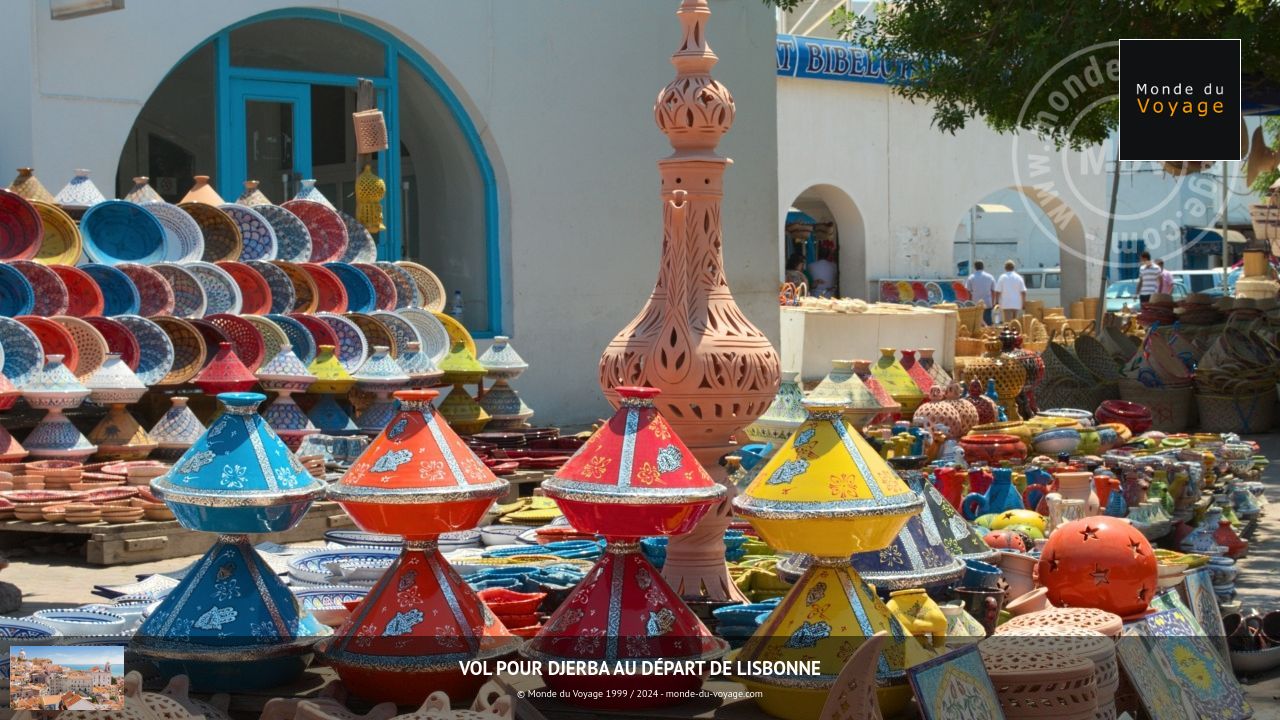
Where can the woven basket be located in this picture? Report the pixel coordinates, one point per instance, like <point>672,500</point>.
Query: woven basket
<point>1250,413</point>
<point>370,131</point>
<point>970,316</point>
<point>1172,409</point>
<point>1094,356</point>
<point>1060,364</point>
<point>1070,393</point>
<point>966,344</point>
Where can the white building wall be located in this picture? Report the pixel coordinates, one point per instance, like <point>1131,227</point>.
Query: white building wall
<point>562,92</point>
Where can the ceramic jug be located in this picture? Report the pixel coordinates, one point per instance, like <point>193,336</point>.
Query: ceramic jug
<point>919,614</point>
<point>999,497</point>
<point>1116,506</point>
<point>962,628</point>
<point>950,483</point>
<point>1019,572</point>
<point>983,605</point>
<point>1053,508</point>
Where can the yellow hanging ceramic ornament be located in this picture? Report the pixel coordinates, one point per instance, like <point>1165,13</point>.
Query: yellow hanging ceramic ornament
<point>369,192</point>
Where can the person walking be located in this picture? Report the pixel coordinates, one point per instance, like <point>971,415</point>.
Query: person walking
<point>1148,278</point>
<point>1011,290</point>
<point>1166,279</point>
<point>980,285</point>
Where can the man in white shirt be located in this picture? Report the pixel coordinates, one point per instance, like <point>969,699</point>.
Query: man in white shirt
<point>823,273</point>
<point>1148,278</point>
<point>1011,290</point>
<point>980,284</point>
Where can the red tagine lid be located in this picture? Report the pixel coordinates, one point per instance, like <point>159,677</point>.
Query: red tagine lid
<point>225,373</point>
<point>634,458</point>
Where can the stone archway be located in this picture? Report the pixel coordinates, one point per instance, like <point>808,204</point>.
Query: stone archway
<point>837,216</point>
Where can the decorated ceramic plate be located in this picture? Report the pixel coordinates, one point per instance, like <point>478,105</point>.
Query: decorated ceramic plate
<point>305,292</point>
<point>283,297</point>
<point>221,234</point>
<point>361,296</point>
<point>325,602</point>
<point>21,228</point>
<point>293,240</point>
<point>189,349</point>
<point>375,332</point>
<point>184,242</point>
<point>429,286</point>
<point>361,247</point>
<point>257,236</point>
<point>49,290</point>
<point>457,331</point>
<point>407,292</point>
<point>300,339</point>
<point>212,334</point>
<point>331,294</point>
<point>92,346</point>
<point>245,339</point>
<point>188,294</point>
<point>155,294</point>
<point>155,349</point>
<point>55,340</point>
<point>23,354</point>
<point>119,340</point>
<point>16,295</point>
<point>328,232</point>
<point>255,293</point>
<point>61,244</point>
<point>84,298</point>
<point>273,338</point>
<point>320,331</point>
<point>352,347</point>
<point>431,332</point>
<point>222,294</point>
<point>384,288</point>
<point>355,566</point>
<point>402,331</point>
<point>117,231</point>
<point>119,296</point>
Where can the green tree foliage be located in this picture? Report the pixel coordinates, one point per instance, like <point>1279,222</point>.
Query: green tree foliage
<point>984,58</point>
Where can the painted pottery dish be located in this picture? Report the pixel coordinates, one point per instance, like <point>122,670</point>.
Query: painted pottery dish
<point>90,343</point>
<point>184,242</point>
<point>245,339</point>
<point>255,293</point>
<point>375,333</point>
<point>21,227</point>
<point>432,333</point>
<point>77,622</point>
<point>221,292</point>
<point>47,286</point>
<point>189,349</point>
<point>119,340</point>
<point>354,566</point>
<point>119,296</point>
<point>361,296</point>
<point>361,247</point>
<point>155,349</point>
<point>384,288</point>
<point>213,337</point>
<point>16,295</point>
<point>300,339</point>
<point>402,331</point>
<point>331,294</point>
<point>457,332</point>
<point>118,231</point>
<point>306,294</point>
<point>293,240</point>
<point>257,236</point>
<point>61,244</point>
<point>328,231</point>
<point>320,331</point>
<point>283,297</point>
<point>23,355</point>
<point>84,297</point>
<point>328,602</point>
<point>22,629</point>
<point>407,292</point>
<point>352,346</point>
<point>188,294</point>
<point>155,294</point>
<point>221,234</point>
<point>54,339</point>
<point>429,286</point>
<point>79,193</point>
<point>273,338</point>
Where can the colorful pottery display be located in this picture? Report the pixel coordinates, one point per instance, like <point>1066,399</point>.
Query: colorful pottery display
<point>55,389</point>
<point>459,408</point>
<point>894,378</point>
<point>285,374</point>
<point>506,409</point>
<point>225,373</point>
<point>184,241</point>
<point>175,431</point>
<point>118,435</point>
<point>380,375</point>
<point>841,386</point>
<point>332,380</point>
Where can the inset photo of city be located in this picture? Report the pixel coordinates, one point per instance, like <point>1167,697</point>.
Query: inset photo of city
<point>49,680</point>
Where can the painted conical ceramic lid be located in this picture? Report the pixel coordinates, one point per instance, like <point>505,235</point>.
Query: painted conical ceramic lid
<point>461,366</point>
<point>55,437</point>
<point>79,192</point>
<point>418,364</point>
<point>229,602</point>
<point>919,374</point>
<point>501,360</point>
<point>331,376</point>
<point>381,369</point>
<point>8,393</point>
<point>202,192</point>
<point>178,427</point>
<point>787,408</point>
<point>29,186</point>
<point>634,458</point>
<point>142,192</point>
<point>118,430</point>
<point>462,412</point>
<point>502,402</point>
<point>54,380</point>
<point>239,461</point>
<point>309,191</point>
<point>225,373</point>
<point>330,417</point>
<point>896,381</point>
<point>287,419</point>
<point>891,407</point>
<point>842,387</point>
<point>419,616</point>
<point>940,376</point>
<point>827,491</point>
<point>285,367</point>
<point>252,195</point>
<point>114,382</point>
<point>656,623</point>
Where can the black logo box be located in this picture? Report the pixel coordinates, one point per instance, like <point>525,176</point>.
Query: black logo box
<point>1186,68</point>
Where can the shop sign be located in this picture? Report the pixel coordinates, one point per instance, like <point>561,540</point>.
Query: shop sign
<point>806,57</point>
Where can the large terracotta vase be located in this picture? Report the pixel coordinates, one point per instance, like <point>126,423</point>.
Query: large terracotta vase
<point>716,370</point>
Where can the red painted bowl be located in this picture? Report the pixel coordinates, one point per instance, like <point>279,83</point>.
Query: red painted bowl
<point>328,231</point>
<point>633,520</point>
<point>50,291</point>
<point>993,449</point>
<point>21,229</point>
<point>331,294</point>
<point>319,329</point>
<point>84,297</point>
<point>155,294</point>
<point>1132,415</point>
<point>119,339</point>
<point>255,293</point>
<point>245,339</point>
<point>384,288</point>
<point>55,339</point>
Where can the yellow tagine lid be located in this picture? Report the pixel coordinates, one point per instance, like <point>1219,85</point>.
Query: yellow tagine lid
<point>331,376</point>
<point>826,491</point>
<point>894,378</point>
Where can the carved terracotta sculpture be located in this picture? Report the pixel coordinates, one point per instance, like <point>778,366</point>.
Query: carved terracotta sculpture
<point>716,370</point>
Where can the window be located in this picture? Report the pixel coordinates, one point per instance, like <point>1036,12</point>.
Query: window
<point>1053,280</point>
<point>1033,280</point>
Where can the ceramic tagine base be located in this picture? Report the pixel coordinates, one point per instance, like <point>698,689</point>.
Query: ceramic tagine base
<point>230,625</point>
<point>375,417</point>
<point>55,438</point>
<point>289,421</point>
<point>462,412</point>
<point>330,418</point>
<point>622,612</point>
<point>414,630</point>
<point>120,437</point>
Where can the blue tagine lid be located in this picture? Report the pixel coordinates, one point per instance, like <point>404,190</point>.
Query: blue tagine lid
<point>238,477</point>
<point>381,370</point>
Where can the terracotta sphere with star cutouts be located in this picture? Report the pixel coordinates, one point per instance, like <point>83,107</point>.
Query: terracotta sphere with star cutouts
<point>1099,562</point>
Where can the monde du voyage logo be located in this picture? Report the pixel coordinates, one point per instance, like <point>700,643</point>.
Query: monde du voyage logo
<point>1180,99</point>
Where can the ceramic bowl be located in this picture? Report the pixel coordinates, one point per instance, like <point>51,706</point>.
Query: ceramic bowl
<point>120,231</point>
<point>327,602</point>
<point>188,294</point>
<point>1255,662</point>
<point>283,295</point>
<point>331,294</point>
<point>22,629</point>
<point>1053,442</point>
<point>21,227</point>
<point>300,338</point>
<point>50,292</point>
<point>257,235</point>
<point>155,348</point>
<point>155,294</point>
<point>1084,417</point>
<point>16,294</point>
<point>328,231</point>
<point>502,535</point>
<point>80,622</point>
<point>360,566</point>
<point>133,612</point>
<point>119,339</point>
<point>183,240</point>
<point>84,297</point>
<point>221,234</point>
<point>361,296</point>
<point>384,287</point>
<point>255,292</point>
<point>222,293</point>
<point>407,293</point>
<point>293,240</point>
<point>361,247</point>
<point>62,244</point>
<point>119,294</point>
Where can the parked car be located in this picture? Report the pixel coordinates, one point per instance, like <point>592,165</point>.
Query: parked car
<point>1124,293</point>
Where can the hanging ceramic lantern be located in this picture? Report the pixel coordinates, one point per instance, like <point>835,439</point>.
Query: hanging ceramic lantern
<point>370,190</point>
<point>370,130</point>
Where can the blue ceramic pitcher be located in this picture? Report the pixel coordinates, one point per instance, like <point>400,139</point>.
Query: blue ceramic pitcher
<point>1001,496</point>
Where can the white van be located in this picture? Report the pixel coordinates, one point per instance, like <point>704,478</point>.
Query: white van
<point>1043,284</point>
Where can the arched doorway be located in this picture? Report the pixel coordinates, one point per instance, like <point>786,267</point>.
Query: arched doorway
<point>270,98</point>
<point>824,224</point>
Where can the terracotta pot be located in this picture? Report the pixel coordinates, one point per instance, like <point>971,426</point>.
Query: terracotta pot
<point>1099,562</point>
<point>1033,601</point>
<point>1019,572</point>
<point>993,449</point>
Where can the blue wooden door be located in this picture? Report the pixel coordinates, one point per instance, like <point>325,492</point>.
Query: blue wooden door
<point>270,136</point>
